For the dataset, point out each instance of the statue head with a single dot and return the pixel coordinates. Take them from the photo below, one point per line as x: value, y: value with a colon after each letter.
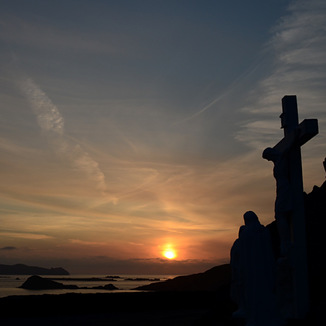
x: 271, y: 154
x: 250, y: 218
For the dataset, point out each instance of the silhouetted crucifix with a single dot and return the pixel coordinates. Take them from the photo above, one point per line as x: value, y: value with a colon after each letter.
x: 289, y: 205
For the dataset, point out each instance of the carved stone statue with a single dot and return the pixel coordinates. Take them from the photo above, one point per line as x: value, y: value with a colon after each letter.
x: 253, y: 268
x: 283, y: 202
x: 289, y: 208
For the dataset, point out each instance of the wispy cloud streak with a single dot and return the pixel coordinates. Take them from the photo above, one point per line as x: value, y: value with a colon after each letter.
x: 48, y: 116
x: 227, y: 93
x: 51, y: 122
x: 298, y: 49
x: 25, y: 235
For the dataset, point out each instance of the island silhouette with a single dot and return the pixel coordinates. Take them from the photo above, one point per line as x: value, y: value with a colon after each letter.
x: 21, y: 269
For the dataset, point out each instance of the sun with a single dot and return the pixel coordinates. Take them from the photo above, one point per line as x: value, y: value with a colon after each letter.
x: 169, y: 254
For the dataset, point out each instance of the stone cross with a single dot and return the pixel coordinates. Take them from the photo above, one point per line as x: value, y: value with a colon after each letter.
x: 296, y: 135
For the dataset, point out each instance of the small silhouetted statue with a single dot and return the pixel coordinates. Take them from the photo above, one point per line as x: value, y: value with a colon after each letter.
x: 253, y: 268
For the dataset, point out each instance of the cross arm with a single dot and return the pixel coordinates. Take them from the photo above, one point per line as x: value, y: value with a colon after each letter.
x: 306, y: 130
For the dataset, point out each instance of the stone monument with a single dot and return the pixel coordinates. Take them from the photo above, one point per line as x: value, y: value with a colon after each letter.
x: 289, y: 204
x: 253, y: 274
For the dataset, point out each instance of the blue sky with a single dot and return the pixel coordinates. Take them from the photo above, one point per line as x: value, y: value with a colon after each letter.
x: 130, y: 126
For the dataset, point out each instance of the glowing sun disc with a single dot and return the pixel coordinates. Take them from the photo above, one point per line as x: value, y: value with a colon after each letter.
x: 169, y: 254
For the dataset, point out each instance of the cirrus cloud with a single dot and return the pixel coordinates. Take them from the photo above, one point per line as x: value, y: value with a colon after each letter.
x: 51, y: 122
x: 298, y: 49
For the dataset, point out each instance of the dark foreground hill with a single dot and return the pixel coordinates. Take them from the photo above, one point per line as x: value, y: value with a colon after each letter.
x: 117, y: 309
x: 216, y: 278
x: 20, y: 269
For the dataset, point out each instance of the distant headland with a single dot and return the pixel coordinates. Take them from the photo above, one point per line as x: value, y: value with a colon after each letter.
x: 21, y: 269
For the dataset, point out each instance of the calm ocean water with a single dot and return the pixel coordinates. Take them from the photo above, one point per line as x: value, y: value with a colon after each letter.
x: 9, y: 284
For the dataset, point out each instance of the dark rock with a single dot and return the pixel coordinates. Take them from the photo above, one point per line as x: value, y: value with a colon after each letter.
x: 214, y: 279
x: 109, y: 287
x: 20, y: 269
x: 39, y: 283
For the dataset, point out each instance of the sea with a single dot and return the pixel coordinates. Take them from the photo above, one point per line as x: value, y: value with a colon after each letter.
x: 10, y: 284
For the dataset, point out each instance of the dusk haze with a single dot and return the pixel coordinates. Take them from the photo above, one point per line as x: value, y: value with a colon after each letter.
x: 132, y: 131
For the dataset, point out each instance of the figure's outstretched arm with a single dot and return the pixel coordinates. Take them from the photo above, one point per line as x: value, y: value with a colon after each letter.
x: 285, y: 145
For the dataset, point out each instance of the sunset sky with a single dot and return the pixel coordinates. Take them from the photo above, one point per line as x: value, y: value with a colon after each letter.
x: 134, y: 127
